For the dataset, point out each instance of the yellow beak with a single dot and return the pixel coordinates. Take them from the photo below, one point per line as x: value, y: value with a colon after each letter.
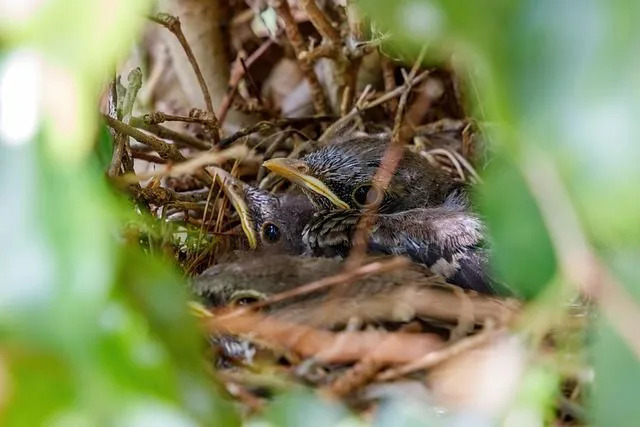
x: 296, y: 171
x: 233, y: 189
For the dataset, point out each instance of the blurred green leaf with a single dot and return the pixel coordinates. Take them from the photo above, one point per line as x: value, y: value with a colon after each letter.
x: 103, y: 147
x: 94, y: 332
x: 617, y: 375
x: 559, y: 75
x: 300, y: 407
x: 523, y: 255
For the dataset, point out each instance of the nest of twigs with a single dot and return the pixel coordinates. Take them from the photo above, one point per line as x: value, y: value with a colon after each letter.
x: 315, y: 75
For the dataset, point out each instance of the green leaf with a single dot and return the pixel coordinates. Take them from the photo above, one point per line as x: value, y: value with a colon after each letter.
x: 522, y: 253
x: 103, y: 148
x: 617, y: 375
x: 299, y: 407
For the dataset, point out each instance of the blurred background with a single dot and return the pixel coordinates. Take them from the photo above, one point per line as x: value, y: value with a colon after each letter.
x: 543, y: 98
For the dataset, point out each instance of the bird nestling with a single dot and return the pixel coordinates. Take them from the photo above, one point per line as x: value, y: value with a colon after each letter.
x: 272, y: 222
x: 423, y: 213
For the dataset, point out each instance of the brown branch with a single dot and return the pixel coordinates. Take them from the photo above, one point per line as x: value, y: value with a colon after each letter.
x: 355, y: 377
x: 431, y: 359
x: 322, y: 51
x: 426, y: 301
x: 295, y: 38
x: 237, y: 73
x: 264, y: 125
x: 321, y: 22
x: 159, y: 117
x: 166, y: 133
x: 194, y: 164
x: 146, y: 156
x: 388, y: 165
x: 329, y: 347
x: 164, y: 150
x: 172, y: 23
x: 339, y: 124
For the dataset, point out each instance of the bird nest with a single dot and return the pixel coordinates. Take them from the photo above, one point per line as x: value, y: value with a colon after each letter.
x: 419, y: 336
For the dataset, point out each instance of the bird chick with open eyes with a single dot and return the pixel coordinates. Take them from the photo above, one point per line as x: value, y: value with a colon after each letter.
x: 272, y: 222
x: 423, y: 213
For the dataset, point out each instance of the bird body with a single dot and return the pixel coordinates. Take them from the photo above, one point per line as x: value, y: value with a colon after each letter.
x: 246, y: 279
x: 422, y: 214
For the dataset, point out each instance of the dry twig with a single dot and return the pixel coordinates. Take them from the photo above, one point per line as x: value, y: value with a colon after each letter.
x: 325, y: 346
x: 388, y: 165
x: 172, y: 23
x: 295, y: 38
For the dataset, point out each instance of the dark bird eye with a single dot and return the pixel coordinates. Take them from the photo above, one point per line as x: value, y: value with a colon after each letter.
x: 246, y: 301
x: 360, y: 195
x: 270, y: 232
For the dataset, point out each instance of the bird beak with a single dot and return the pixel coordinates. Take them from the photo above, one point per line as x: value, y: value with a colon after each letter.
x: 233, y: 188
x: 297, y: 171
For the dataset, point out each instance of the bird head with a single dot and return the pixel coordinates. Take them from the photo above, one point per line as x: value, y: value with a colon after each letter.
x: 269, y: 221
x: 341, y: 174
x: 337, y: 175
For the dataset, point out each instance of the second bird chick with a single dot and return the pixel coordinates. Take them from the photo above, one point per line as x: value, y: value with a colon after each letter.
x: 271, y: 222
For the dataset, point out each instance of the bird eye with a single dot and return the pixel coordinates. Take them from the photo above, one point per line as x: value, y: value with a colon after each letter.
x: 360, y: 195
x: 270, y: 232
x: 245, y: 297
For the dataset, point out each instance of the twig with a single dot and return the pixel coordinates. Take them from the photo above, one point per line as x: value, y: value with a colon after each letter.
x: 389, y: 79
x: 321, y: 22
x: 264, y: 125
x: 147, y: 156
x: 431, y: 359
x: 358, y: 375
x: 238, y: 71
x: 172, y: 23
x: 326, y: 346
x: 339, y: 124
x: 192, y: 165
x: 166, y: 151
x: 159, y: 117
x: 295, y: 38
x: 432, y: 301
x: 448, y: 154
x: 166, y: 133
x: 123, y: 108
x: 322, y: 51
x: 388, y: 165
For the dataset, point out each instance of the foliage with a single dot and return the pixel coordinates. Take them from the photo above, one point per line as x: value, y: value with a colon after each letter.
x: 96, y: 333
x: 555, y: 80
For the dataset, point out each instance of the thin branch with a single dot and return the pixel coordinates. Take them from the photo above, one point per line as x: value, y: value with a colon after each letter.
x: 362, y: 106
x: 172, y: 23
x: 166, y: 133
x: 264, y: 125
x: 321, y: 22
x: 165, y: 150
x: 389, y: 79
x: 326, y: 346
x: 431, y: 359
x: 388, y: 165
x: 157, y: 117
x: 192, y: 165
x: 237, y: 73
x: 295, y: 38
